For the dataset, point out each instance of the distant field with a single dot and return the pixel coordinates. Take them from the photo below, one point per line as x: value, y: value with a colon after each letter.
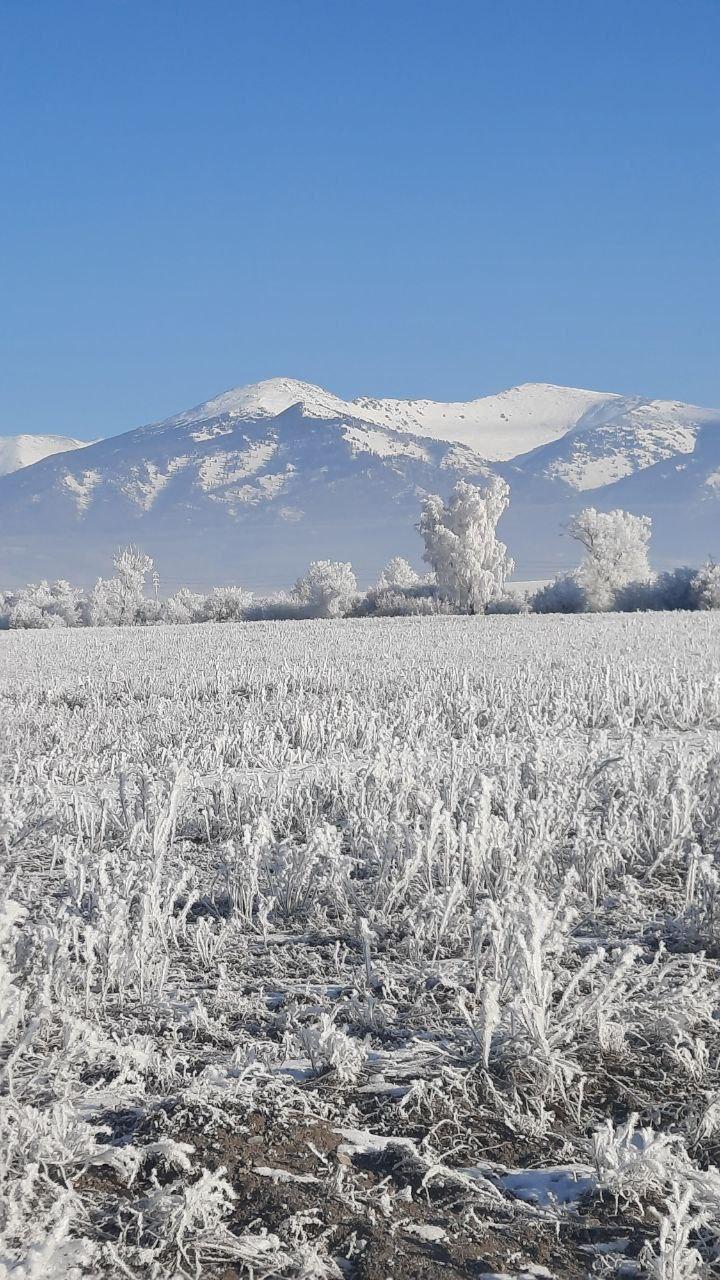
x: 375, y: 949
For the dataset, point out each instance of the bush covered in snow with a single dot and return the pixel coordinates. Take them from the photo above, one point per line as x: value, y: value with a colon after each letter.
x: 327, y: 590
x: 706, y: 585
x: 423, y: 600
x: 564, y: 595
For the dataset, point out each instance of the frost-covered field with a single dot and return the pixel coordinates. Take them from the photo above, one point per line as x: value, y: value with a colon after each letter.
x: 367, y: 949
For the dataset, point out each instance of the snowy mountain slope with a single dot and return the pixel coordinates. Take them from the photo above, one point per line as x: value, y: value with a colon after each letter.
x: 499, y: 426
x: 584, y: 439
x: 252, y: 484
x: 232, y: 492
x: 24, y: 450
x: 614, y: 440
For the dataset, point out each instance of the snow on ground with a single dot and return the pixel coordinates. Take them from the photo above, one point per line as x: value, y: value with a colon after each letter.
x: 363, y: 949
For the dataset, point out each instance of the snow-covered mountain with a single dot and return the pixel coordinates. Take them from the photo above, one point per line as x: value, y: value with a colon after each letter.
x: 247, y: 487
x: 250, y: 485
x: 22, y: 451
x: 500, y: 426
x: 615, y: 438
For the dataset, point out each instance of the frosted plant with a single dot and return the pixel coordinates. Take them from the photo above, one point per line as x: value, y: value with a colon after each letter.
x: 329, y: 1048
x: 193, y: 1217
x: 633, y: 1163
x: 565, y: 594
x: 48, y: 1250
x: 675, y: 1258
x: 461, y: 545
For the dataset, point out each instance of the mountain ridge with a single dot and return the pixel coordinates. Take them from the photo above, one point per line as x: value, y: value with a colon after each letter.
x: 256, y: 481
x: 25, y: 449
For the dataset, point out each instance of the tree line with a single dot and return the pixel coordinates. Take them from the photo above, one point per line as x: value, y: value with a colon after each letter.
x: 468, y: 569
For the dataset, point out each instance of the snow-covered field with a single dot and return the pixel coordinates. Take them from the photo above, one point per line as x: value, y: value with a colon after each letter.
x: 376, y: 949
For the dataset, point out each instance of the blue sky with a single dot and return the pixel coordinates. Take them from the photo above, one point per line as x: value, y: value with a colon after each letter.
x: 401, y: 197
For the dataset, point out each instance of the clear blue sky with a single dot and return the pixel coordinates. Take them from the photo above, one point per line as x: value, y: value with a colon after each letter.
x: 402, y: 197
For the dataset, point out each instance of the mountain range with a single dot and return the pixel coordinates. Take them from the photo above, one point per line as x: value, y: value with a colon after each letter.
x: 251, y: 485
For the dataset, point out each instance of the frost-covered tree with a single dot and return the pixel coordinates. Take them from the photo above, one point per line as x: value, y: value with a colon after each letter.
x: 616, y: 546
x: 706, y: 586
x: 398, y: 572
x: 116, y: 602
x: 461, y: 546
x: 327, y: 590
x: 132, y: 567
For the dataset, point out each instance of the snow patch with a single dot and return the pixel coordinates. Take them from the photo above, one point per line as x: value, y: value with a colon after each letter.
x: 227, y: 467
x: 81, y: 487
x: 148, y: 480
x: 365, y: 440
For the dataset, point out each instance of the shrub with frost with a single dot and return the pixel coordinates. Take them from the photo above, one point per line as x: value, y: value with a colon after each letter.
x: 672, y: 589
x: 706, y: 585
x: 43, y: 605
x: 327, y: 590
x: 421, y: 601
x: 278, y: 607
x: 461, y: 546
x: 398, y: 572
x: 225, y: 604
x: 563, y: 595
x: 509, y: 603
x: 634, y: 1163
x: 182, y: 607
x: 616, y: 553
x: 132, y: 567
x: 149, y: 613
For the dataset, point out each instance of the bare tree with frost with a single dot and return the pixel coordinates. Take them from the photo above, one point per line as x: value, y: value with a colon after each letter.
x: 616, y: 545
x: 461, y: 546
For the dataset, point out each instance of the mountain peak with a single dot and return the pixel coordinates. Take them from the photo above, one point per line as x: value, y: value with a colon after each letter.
x: 265, y: 399
x: 21, y: 451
